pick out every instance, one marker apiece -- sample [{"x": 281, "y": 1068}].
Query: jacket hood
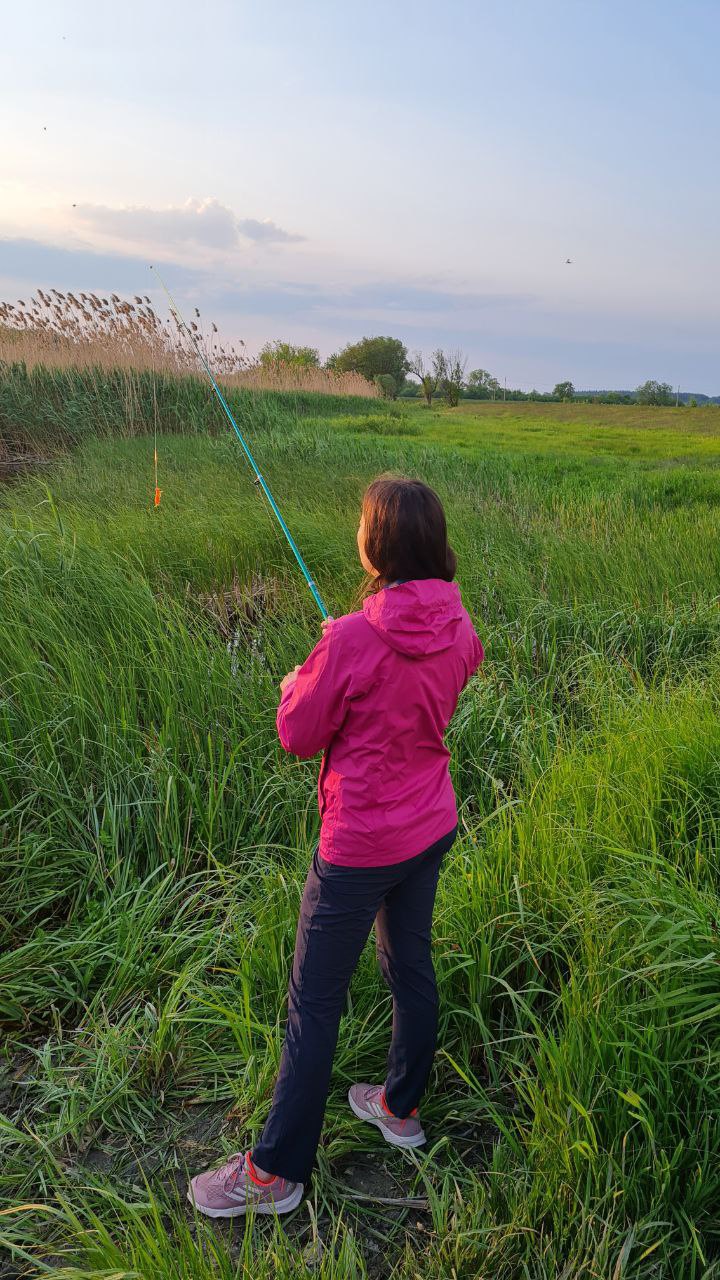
[{"x": 418, "y": 618}]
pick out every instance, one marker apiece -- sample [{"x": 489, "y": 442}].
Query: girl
[{"x": 376, "y": 696}]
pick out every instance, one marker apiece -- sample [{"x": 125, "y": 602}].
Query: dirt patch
[
  {"x": 8, "y": 1271},
  {"x": 185, "y": 1142},
  {"x": 372, "y": 1181},
  {"x": 473, "y": 1142}
]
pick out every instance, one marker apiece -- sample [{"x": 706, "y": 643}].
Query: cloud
[
  {"x": 390, "y": 301},
  {"x": 31, "y": 263},
  {"x": 266, "y": 231},
  {"x": 205, "y": 224},
  {"x": 425, "y": 296}
]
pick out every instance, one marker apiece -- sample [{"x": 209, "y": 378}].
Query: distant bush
[
  {"x": 373, "y": 356},
  {"x": 652, "y": 392},
  {"x": 482, "y": 385},
  {"x": 564, "y": 391},
  {"x": 275, "y": 354}
]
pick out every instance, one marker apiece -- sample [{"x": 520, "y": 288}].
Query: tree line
[{"x": 386, "y": 362}]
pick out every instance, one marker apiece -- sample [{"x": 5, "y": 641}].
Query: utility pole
[
  {"x": 505, "y": 390},
  {"x": 677, "y": 396}
]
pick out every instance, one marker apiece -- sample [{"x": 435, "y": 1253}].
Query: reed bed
[
  {"x": 287, "y": 377},
  {"x": 90, "y": 332},
  {"x": 155, "y": 837}
]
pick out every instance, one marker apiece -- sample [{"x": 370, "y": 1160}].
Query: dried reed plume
[{"x": 88, "y": 331}]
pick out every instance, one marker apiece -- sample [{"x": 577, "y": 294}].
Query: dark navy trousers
[{"x": 338, "y": 909}]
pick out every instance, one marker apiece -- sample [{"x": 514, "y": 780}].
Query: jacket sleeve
[
  {"x": 476, "y": 656},
  {"x": 313, "y": 708}
]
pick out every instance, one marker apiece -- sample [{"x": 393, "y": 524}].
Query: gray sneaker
[
  {"x": 368, "y": 1103},
  {"x": 231, "y": 1190}
]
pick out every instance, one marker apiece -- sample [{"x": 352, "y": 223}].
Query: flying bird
[{"x": 568, "y": 261}]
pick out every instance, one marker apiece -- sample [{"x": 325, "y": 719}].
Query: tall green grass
[
  {"x": 155, "y": 837},
  {"x": 45, "y": 409}
]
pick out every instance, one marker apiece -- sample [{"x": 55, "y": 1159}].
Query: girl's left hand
[{"x": 289, "y": 679}]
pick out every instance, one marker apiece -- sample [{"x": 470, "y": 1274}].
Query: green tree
[
  {"x": 654, "y": 393},
  {"x": 564, "y": 390},
  {"x": 371, "y": 356},
  {"x": 449, "y": 371},
  {"x": 275, "y": 353},
  {"x": 428, "y": 380},
  {"x": 480, "y": 383}
]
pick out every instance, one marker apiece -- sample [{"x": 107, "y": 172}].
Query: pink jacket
[{"x": 376, "y": 695}]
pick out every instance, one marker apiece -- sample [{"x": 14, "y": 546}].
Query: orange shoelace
[{"x": 252, "y": 1175}]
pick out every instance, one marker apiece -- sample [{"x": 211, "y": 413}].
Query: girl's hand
[
  {"x": 289, "y": 679},
  {"x": 291, "y": 676}
]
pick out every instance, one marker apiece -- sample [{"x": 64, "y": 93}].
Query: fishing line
[
  {"x": 158, "y": 492},
  {"x": 259, "y": 478}
]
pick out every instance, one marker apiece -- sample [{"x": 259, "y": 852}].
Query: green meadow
[{"x": 154, "y": 838}]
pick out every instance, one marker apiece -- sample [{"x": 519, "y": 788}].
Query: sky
[{"x": 317, "y": 172}]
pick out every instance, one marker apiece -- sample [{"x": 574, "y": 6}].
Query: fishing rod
[{"x": 259, "y": 478}]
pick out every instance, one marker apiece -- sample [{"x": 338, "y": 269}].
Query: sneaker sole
[
  {"x": 263, "y": 1207},
  {"x": 395, "y": 1140}
]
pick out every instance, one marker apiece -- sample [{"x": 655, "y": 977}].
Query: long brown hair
[{"x": 405, "y": 532}]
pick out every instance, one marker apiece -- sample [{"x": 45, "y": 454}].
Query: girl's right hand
[
  {"x": 326, "y": 622},
  {"x": 289, "y": 679}
]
